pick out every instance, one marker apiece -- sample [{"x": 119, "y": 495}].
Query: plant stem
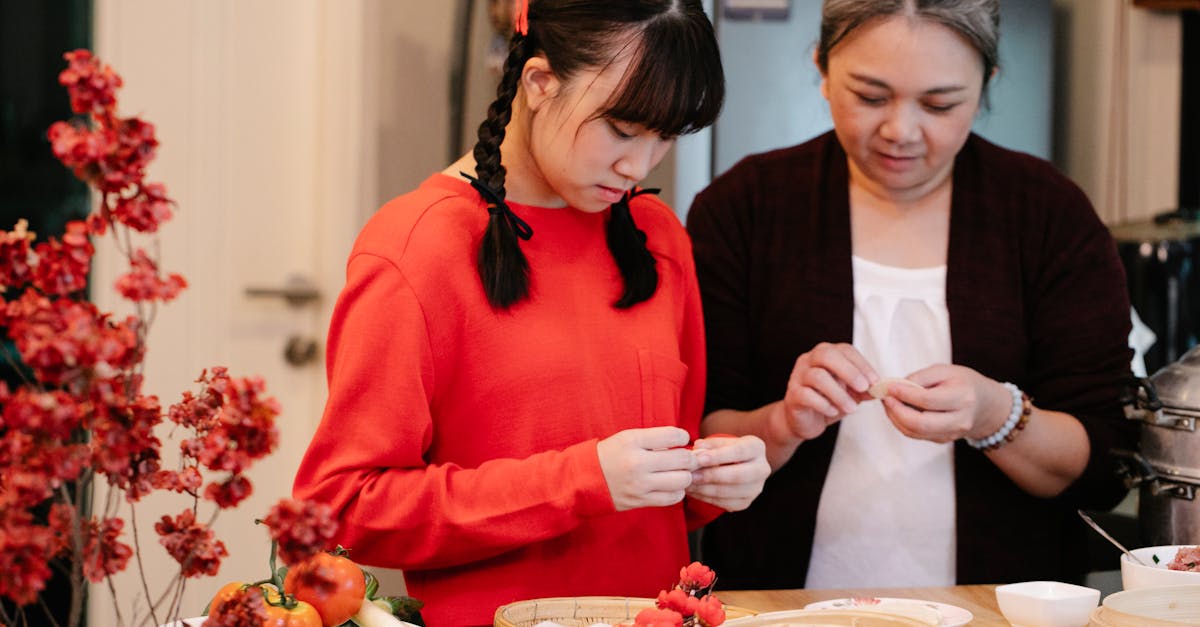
[
  {"x": 46, "y": 611},
  {"x": 163, "y": 597},
  {"x": 77, "y": 586},
  {"x": 8, "y": 620},
  {"x": 177, "y": 601},
  {"x": 112, "y": 589},
  {"x": 137, "y": 552},
  {"x": 18, "y": 368},
  {"x": 286, "y": 600}
]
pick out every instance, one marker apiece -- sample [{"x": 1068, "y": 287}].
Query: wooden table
[{"x": 979, "y": 600}]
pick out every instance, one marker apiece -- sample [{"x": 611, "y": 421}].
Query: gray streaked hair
[{"x": 977, "y": 21}]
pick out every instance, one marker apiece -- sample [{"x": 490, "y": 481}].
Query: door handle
[
  {"x": 297, "y": 292},
  {"x": 300, "y": 351}
]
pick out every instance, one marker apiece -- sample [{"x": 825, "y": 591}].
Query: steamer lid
[{"x": 1178, "y": 383}]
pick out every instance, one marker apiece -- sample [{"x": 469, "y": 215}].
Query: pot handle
[
  {"x": 1137, "y": 471},
  {"x": 1138, "y": 393},
  {"x": 1133, "y": 467},
  {"x": 1174, "y": 489},
  {"x": 1141, "y": 403}
]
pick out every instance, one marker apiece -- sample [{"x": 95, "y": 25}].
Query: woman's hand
[
  {"x": 953, "y": 402},
  {"x": 731, "y": 473},
  {"x": 827, "y": 383},
  {"x": 646, "y": 467}
]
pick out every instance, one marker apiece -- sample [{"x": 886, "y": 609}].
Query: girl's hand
[
  {"x": 731, "y": 473},
  {"x": 953, "y": 402},
  {"x": 827, "y": 383},
  {"x": 646, "y": 467}
]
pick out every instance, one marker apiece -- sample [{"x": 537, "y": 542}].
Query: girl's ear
[{"x": 539, "y": 83}]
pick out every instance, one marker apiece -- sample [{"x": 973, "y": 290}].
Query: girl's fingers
[
  {"x": 668, "y": 482},
  {"x": 718, "y": 451}
]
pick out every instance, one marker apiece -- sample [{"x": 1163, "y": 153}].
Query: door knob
[
  {"x": 297, "y": 292},
  {"x": 300, "y": 351}
]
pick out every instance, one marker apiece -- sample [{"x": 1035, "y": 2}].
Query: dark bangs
[{"x": 675, "y": 86}]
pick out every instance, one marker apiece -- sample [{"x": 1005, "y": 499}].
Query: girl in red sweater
[{"x": 517, "y": 360}]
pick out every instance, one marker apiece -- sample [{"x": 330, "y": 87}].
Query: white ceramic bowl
[
  {"x": 1135, "y": 576},
  {"x": 1046, "y": 603}
]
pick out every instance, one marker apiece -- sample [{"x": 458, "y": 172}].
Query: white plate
[{"x": 952, "y": 615}]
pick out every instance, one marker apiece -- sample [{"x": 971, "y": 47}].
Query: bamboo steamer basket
[
  {"x": 833, "y": 617},
  {"x": 582, "y": 611},
  {"x": 1167, "y": 606}
]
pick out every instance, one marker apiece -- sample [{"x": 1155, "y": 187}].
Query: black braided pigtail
[
  {"x": 503, "y": 268},
  {"x": 627, "y": 243}
]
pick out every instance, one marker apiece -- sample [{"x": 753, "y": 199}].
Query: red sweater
[{"x": 459, "y": 443}]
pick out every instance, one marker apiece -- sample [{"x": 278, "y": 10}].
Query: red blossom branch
[
  {"x": 691, "y": 600},
  {"x": 81, "y": 412}
]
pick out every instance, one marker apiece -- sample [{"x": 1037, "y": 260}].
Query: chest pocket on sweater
[{"x": 662, "y": 378}]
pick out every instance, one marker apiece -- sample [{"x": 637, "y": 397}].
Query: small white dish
[
  {"x": 1154, "y": 573},
  {"x": 1046, "y": 603},
  {"x": 951, "y": 615}
]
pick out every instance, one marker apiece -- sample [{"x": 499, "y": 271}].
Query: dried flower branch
[
  {"x": 80, "y": 411},
  {"x": 689, "y": 603}
]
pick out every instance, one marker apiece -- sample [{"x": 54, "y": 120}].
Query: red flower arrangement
[
  {"x": 689, "y": 603},
  {"x": 80, "y": 413}
]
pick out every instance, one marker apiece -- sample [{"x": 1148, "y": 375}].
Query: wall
[
  {"x": 1117, "y": 127},
  {"x": 1088, "y": 117},
  {"x": 412, "y": 42},
  {"x": 774, "y": 99}
]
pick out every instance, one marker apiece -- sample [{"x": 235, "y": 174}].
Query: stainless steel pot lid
[{"x": 1178, "y": 383}]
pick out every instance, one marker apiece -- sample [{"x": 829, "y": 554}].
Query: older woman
[{"x": 902, "y": 246}]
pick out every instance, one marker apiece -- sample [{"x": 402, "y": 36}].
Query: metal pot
[{"x": 1167, "y": 466}]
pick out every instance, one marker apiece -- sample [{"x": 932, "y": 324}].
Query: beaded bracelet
[{"x": 1018, "y": 417}]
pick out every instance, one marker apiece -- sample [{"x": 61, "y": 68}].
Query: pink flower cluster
[
  {"x": 245, "y": 608},
  {"x": 302, "y": 529},
  {"x": 689, "y": 603},
  {"x": 80, "y": 412}
]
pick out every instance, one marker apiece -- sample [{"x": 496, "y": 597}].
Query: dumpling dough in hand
[{"x": 880, "y": 389}]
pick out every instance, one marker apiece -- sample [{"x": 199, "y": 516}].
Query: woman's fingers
[
  {"x": 846, "y": 364},
  {"x": 932, "y": 425},
  {"x": 807, "y": 398},
  {"x": 832, "y": 379}
]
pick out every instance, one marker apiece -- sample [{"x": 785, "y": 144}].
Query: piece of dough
[{"x": 880, "y": 389}]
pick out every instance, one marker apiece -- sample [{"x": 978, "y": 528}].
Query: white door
[{"x": 259, "y": 109}]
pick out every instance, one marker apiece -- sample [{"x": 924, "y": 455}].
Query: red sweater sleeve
[{"x": 367, "y": 458}]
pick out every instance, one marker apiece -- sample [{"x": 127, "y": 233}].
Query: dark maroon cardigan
[{"x": 1036, "y": 295}]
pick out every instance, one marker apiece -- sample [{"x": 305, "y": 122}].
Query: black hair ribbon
[
  {"x": 497, "y": 207},
  {"x": 631, "y": 194},
  {"x": 626, "y": 217}
]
